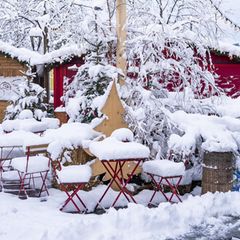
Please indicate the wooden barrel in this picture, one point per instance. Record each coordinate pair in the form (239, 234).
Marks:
(217, 172)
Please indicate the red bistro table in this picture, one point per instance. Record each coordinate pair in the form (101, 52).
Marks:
(116, 172)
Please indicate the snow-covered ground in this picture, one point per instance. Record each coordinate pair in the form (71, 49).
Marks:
(33, 219)
(211, 214)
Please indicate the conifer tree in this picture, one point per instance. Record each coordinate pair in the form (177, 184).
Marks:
(29, 96)
(90, 82)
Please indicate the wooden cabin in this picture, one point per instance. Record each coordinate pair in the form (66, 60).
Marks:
(9, 69)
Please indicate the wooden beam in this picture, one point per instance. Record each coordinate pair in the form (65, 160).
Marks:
(121, 37)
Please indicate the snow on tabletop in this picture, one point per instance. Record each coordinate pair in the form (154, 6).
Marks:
(31, 125)
(69, 135)
(35, 164)
(164, 168)
(123, 134)
(112, 149)
(74, 174)
(21, 138)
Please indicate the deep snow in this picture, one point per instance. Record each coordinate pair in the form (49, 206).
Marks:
(41, 220)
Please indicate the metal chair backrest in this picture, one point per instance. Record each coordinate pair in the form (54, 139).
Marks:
(35, 149)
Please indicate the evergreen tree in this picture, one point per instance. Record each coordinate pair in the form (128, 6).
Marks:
(29, 96)
(90, 82)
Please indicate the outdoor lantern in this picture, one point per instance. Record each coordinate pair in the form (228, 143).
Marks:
(36, 38)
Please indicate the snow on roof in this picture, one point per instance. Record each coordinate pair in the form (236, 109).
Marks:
(230, 49)
(68, 136)
(229, 35)
(35, 58)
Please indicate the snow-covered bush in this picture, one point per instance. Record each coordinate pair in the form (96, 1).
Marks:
(91, 81)
(28, 96)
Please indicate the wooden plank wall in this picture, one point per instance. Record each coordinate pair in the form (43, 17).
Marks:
(3, 106)
(10, 67)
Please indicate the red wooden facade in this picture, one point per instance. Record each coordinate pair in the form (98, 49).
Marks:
(60, 72)
(229, 74)
(227, 69)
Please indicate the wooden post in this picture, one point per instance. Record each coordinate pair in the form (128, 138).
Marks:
(121, 37)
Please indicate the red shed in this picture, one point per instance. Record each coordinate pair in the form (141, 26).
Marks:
(226, 67)
(228, 70)
(60, 72)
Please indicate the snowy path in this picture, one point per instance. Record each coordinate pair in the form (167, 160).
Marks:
(35, 220)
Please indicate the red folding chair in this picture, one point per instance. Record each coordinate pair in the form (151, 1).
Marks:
(7, 153)
(71, 180)
(32, 170)
(165, 173)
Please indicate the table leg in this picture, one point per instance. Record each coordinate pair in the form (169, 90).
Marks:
(174, 188)
(120, 182)
(70, 196)
(123, 187)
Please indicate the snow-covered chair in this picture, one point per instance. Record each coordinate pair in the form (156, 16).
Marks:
(165, 172)
(32, 169)
(71, 180)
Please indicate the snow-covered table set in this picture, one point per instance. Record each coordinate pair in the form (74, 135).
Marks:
(114, 155)
(13, 145)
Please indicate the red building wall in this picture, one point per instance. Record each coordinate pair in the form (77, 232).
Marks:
(227, 69)
(60, 72)
(229, 74)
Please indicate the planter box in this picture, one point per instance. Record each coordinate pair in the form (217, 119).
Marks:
(217, 172)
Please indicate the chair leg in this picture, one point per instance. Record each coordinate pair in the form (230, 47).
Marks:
(173, 187)
(74, 193)
(43, 187)
(22, 177)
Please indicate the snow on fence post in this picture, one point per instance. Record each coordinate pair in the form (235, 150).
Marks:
(217, 172)
(61, 114)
